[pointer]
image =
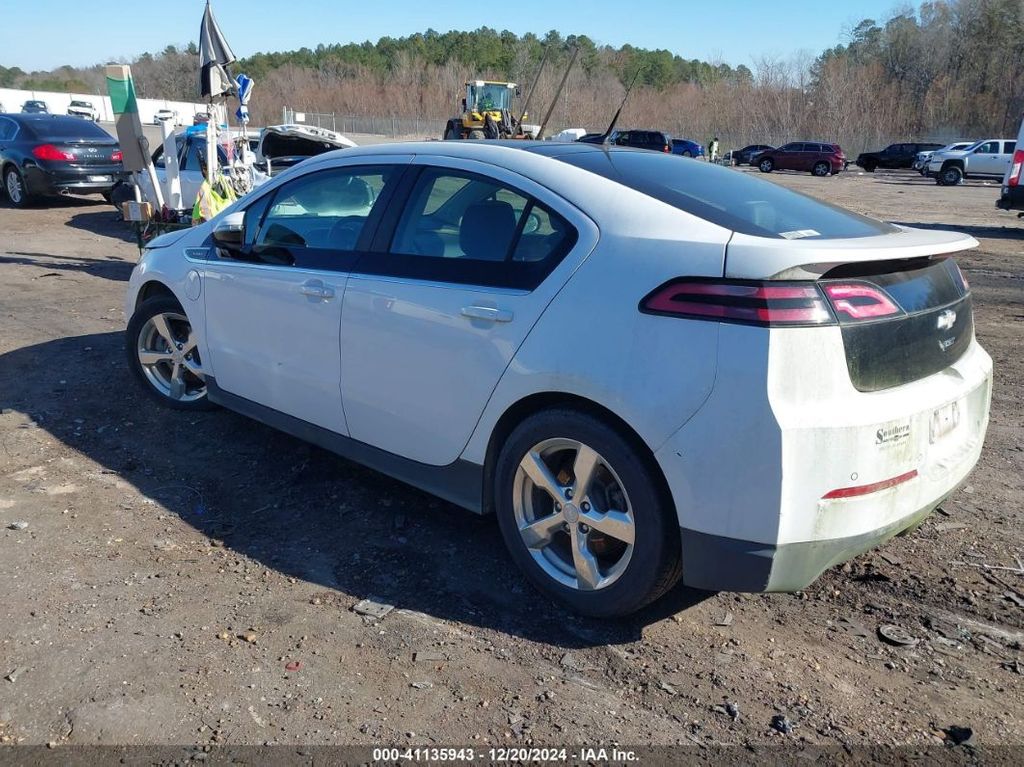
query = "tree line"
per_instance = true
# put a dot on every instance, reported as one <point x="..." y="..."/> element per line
<point x="945" y="70"/>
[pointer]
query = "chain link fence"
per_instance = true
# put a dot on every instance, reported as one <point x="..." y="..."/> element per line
<point x="373" y="125"/>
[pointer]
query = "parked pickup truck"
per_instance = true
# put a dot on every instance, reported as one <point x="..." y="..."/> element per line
<point x="988" y="158"/>
<point x="893" y="156"/>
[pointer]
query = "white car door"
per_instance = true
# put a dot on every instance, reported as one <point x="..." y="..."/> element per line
<point x="433" y="317"/>
<point x="273" y="307"/>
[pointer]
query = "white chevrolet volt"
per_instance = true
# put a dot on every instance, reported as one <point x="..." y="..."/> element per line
<point x="649" y="368"/>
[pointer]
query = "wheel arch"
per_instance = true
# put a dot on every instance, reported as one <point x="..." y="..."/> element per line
<point x="952" y="164"/>
<point x="537" y="402"/>
<point x="155" y="289"/>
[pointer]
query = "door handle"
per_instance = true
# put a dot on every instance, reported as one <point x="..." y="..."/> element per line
<point x="317" y="289"/>
<point x="487" y="313"/>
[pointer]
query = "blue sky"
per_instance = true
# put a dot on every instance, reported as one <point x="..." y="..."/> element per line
<point x="43" y="35"/>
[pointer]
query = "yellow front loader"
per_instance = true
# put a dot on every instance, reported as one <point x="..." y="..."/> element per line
<point x="486" y="112"/>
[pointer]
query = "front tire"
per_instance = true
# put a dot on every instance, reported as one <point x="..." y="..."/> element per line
<point x="870" y="167"/>
<point x="766" y="166"/>
<point x="584" y="514"/>
<point x="950" y="176"/>
<point x="163" y="353"/>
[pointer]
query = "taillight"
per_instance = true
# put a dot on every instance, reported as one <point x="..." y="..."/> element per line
<point x="50" y="152"/>
<point x="117" y="156"/>
<point x="767" y="304"/>
<point x="666" y="148"/>
<point x="1018" y="164"/>
<point x="859" y="301"/>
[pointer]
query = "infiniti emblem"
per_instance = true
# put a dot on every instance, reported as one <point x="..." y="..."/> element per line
<point x="946" y="320"/>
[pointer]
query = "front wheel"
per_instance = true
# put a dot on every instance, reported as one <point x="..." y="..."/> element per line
<point x="687" y="153"/>
<point x="766" y="166"/>
<point x="821" y="169"/>
<point x="584" y="515"/>
<point x="950" y="176"/>
<point x="163" y="353"/>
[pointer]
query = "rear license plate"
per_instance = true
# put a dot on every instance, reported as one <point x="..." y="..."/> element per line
<point x="98" y="179"/>
<point x="944" y="420"/>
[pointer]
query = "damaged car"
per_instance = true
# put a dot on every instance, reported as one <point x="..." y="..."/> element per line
<point x="282" y="146"/>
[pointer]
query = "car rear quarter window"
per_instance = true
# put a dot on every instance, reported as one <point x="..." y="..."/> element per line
<point x="733" y="200"/>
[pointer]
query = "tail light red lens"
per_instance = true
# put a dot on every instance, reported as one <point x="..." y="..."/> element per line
<point x="1015" y="170"/>
<point x="767" y="304"/>
<point x="874" y="487"/>
<point x="50" y="152"/>
<point x="859" y="301"/>
<point x="117" y="156"/>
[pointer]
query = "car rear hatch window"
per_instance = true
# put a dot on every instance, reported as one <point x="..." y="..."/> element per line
<point x="926" y="326"/>
<point x="728" y="198"/>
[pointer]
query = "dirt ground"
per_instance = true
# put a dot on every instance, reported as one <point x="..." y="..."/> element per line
<point x="191" y="579"/>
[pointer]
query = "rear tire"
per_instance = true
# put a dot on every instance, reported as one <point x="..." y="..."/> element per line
<point x="578" y="558"/>
<point x="687" y="153"/>
<point x="870" y="166"/>
<point x="477" y="135"/>
<point x="15" y="189"/>
<point x="766" y="166"/>
<point x="821" y="169"/>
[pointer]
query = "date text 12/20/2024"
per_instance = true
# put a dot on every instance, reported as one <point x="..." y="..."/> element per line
<point x="505" y="754"/>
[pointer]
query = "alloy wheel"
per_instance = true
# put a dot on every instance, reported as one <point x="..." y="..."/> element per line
<point x="169" y="358"/>
<point x="573" y="514"/>
<point x="14" y="187"/>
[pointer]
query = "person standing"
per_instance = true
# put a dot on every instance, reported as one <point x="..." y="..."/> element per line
<point x="713" y="150"/>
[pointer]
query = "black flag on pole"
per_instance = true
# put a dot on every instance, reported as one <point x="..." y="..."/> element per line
<point x="214" y="58"/>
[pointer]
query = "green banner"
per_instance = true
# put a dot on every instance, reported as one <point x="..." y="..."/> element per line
<point x="122" y="95"/>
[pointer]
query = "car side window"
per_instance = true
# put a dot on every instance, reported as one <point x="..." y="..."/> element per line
<point x="316" y="221"/>
<point x="478" y="219"/>
<point x="1010" y="147"/>
<point x="466" y="228"/>
<point x="989" y="147"/>
<point x="7" y="128"/>
<point x="789" y="148"/>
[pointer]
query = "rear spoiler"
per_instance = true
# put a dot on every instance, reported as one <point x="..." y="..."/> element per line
<point x="761" y="258"/>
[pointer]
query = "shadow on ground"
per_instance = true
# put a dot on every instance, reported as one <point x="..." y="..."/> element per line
<point x="291" y="506"/>
<point x="108" y="269"/>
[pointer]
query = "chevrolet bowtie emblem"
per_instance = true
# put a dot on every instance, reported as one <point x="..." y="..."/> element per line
<point x="946" y="320"/>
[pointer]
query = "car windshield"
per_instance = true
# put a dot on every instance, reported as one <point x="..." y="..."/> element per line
<point x="489" y="97"/>
<point x="726" y="197"/>
<point x="80" y="104"/>
<point x="69" y="129"/>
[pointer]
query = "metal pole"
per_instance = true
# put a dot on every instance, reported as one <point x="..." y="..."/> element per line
<point x="554" y="101"/>
<point x="536" y="79"/>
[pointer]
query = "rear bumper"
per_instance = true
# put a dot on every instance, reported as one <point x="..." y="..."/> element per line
<point x="98" y="180"/>
<point x="761" y="475"/>
<point x="1012" y="198"/>
<point x="717" y="563"/>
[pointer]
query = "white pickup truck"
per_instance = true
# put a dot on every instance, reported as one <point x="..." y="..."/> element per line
<point x="988" y="158"/>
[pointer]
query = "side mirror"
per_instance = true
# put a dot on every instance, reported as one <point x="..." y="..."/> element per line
<point x="229" y="230"/>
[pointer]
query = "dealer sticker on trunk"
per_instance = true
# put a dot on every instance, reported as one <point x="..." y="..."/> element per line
<point x="98" y="179"/>
<point x="892" y="433"/>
